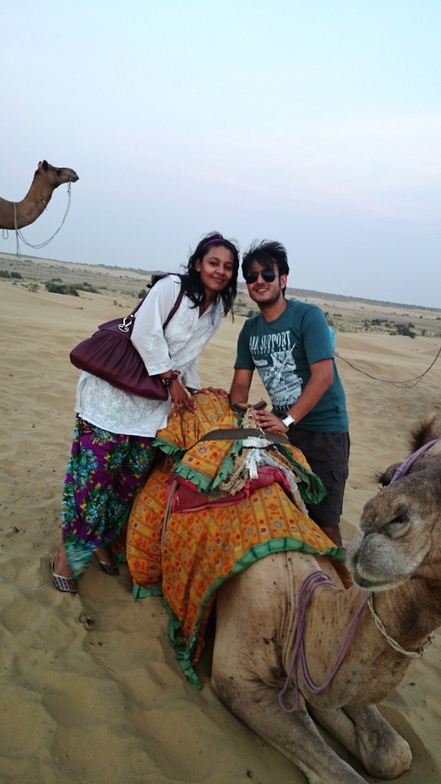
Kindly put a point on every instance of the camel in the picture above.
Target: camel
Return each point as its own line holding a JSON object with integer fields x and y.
{"x": 16, "y": 215}
{"x": 395, "y": 564}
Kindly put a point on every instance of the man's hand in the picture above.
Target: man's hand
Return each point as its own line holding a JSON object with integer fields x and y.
{"x": 240, "y": 386}
{"x": 268, "y": 421}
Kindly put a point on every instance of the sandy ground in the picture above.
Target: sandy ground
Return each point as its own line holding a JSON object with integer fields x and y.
{"x": 90, "y": 690}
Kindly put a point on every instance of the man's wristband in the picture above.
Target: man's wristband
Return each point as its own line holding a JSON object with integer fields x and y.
{"x": 288, "y": 420}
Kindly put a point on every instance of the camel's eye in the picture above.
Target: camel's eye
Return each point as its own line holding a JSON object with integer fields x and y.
{"x": 398, "y": 527}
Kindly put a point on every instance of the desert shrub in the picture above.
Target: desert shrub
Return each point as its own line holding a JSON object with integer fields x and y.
{"x": 7, "y": 274}
{"x": 61, "y": 288}
{"x": 86, "y": 287}
{"x": 56, "y": 286}
{"x": 404, "y": 329}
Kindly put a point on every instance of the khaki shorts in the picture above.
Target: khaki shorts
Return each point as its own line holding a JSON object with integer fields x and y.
{"x": 328, "y": 456}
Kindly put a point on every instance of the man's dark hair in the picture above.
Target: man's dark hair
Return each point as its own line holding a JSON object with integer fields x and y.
{"x": 268, "y": 254}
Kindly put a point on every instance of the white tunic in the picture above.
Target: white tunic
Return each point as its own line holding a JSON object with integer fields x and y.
{"x": 176, "y": 348}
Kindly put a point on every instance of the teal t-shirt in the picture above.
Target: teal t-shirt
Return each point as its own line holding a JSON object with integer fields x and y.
{"x": 282, "y": 351}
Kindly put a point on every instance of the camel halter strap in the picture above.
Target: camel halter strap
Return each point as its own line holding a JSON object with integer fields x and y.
{"x": 305, "y": 594}
{"x": 404, "y": 467}
{"x": 18, "y": 233}
{"x": 393, "y": 643}
{"x": 402, "y": 471}
{"x": 299, "y": 658}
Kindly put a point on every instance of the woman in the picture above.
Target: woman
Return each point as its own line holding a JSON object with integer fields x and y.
{"x": 111, "y": 452}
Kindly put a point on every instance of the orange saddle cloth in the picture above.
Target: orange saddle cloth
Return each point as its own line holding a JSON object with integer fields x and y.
{"x": 188, "y": 558}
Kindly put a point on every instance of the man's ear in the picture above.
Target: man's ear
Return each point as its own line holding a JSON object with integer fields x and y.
{"x": 283, "y": 281}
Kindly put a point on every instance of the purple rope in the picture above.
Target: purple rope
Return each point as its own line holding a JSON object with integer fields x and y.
{"x": 304, "y": 599}
{"x": 404, "y": 467}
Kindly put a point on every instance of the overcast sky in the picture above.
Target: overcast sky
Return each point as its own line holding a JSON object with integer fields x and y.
{"x": 316, "y": 123}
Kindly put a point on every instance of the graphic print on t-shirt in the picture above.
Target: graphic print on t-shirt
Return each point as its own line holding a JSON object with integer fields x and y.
{"x": 273, "y": 358}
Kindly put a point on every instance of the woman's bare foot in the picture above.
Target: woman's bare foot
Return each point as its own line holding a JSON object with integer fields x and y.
{"x": 106, "y": 561}
{"x": 60, "y": 563}
{"x": 104, "y": 555}
{"x": 61, "y": 572}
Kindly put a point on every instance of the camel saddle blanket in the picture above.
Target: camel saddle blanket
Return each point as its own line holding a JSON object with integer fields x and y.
{"x": 186, "y": 555}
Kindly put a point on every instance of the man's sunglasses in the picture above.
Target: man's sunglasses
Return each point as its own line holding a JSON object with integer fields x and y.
{"x": 268, "y": 276}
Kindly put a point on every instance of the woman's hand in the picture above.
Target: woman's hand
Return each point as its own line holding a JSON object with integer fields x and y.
{"x": 180, "y": 399}
{"x": 216, "y": 391}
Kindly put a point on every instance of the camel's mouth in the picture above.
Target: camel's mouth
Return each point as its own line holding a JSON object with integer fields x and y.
{"x": 369, "y": 584}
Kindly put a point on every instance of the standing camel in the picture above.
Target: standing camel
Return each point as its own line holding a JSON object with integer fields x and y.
{"x": 46, "y": 179}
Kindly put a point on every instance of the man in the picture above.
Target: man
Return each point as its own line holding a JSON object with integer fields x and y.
{"x": 289, "y": 342}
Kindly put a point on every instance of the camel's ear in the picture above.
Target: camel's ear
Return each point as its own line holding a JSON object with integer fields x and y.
{"x": 45, "y": 165}
{"x": 385, "y": 477}
{"x": 423, "y": 432}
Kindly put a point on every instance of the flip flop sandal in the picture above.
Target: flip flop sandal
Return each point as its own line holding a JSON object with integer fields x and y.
{"x": 65, "y": 584}
{"x": 111, "y": 569}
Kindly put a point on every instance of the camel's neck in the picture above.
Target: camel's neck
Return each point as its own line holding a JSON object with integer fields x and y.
{"x": 30, "y": 208}
{"x": 410, "y": 613}
{"x": 371, "y": 667}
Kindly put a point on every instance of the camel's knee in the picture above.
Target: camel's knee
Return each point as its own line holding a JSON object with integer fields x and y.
{"x": 388, "y": 757}
{"x": 383, "y": 751}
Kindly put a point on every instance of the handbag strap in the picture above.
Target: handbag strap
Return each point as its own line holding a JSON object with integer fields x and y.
{"x": 174, "y": 308}
{"x": 127, "y": 325}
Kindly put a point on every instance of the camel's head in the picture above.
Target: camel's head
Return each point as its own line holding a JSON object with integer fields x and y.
{"x": 401, "y": 524}
{"x": 56, "y": 176}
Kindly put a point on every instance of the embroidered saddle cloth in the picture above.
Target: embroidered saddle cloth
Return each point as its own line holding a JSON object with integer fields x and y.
{"x": 186, "y": 558}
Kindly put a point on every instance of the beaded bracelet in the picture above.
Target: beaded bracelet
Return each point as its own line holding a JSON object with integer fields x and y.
{"x": 168, "y": 380}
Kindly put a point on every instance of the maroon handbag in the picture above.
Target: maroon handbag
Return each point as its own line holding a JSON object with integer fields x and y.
{"x": 110, "y": 354}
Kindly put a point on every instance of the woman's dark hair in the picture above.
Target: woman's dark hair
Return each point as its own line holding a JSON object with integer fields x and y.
{"x": 268, "y": 254}
{"x": 191, "y": 279}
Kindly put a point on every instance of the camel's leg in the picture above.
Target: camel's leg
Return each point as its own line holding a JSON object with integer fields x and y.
{"x": 254, "y": 617}
{"x": 295, "y": 735}
{"x": 370, "y": 738}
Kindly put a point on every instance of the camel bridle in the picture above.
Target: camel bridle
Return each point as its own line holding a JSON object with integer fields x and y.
{"x": 305, "y": 593}
{"x": 18, "y": 233}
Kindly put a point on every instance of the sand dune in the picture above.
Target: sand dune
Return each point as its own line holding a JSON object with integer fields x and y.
{"x": 91, "y": 691}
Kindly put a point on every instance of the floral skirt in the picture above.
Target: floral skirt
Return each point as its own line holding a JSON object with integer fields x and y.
{"x": 104, "y": 473}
